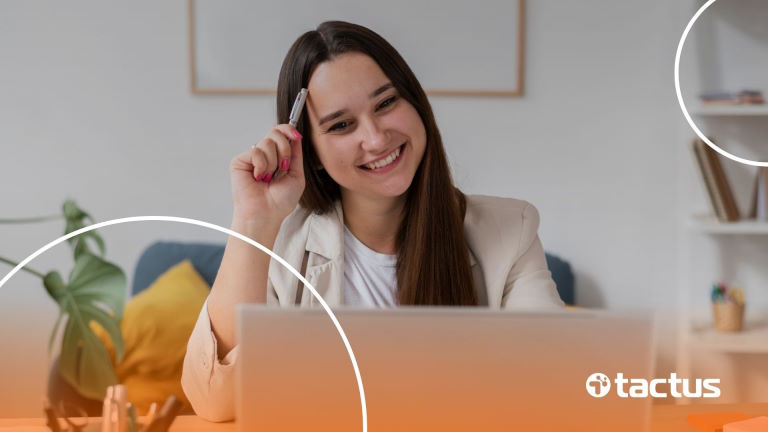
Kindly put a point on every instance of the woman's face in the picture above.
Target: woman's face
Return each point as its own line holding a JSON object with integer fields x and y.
{"x": 368, "y": 138}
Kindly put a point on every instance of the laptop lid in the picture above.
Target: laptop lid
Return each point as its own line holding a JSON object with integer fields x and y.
{"x": 446, "y": 369}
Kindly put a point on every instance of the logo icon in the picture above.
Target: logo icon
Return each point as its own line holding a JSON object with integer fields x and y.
{"x": 598, "y": 385}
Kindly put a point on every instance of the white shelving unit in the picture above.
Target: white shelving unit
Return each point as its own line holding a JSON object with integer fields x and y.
{"x": 710, "y": 225}
{"x": 696, "y": 335}
{"x": 731, "y": 110}
{"x": 732, "y": 55}
{"x": 751, "y": 340}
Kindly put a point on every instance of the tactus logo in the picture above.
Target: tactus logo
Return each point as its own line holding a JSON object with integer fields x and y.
{"x": 598, "y": 385}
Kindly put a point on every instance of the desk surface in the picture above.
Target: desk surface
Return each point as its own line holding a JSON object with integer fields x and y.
{"x": 665, "y": 418}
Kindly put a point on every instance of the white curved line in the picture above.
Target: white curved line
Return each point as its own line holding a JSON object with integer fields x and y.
{"x": 225, "y": 231}
{"x": 680, "y": 95}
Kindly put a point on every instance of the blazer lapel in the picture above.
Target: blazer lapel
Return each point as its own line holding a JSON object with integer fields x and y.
{"x": 325, "y": 260}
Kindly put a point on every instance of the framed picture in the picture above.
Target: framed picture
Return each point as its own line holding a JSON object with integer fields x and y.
{"x": 454, "y": 48}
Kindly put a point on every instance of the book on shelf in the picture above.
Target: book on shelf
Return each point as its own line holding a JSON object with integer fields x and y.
{"x": 759, "y": 209}
{"x": 716, "y": 183}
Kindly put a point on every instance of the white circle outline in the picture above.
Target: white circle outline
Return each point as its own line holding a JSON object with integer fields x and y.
{"x": 225, "y": 231}
{"x": 680, "y": 95}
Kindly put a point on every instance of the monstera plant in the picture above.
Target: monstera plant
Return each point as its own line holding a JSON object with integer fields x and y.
{"x": 92, "y": 294}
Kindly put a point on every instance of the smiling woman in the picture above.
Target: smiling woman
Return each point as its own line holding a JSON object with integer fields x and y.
{"x": 375, "y": 133}
{"x": 359, "y": 196}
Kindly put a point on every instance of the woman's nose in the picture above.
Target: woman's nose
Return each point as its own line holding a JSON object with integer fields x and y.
{"x": 374, "y": 136}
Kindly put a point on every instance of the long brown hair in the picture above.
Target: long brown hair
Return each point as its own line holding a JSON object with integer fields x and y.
{"x": 433, "y": 266}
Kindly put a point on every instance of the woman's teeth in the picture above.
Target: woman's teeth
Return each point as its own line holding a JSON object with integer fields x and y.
{"x": 384, "y": 162}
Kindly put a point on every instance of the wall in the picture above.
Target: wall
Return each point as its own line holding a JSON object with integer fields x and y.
{"x": 94, "y": 104}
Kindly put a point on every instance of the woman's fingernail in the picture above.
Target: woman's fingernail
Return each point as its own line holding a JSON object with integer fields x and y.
{"x": 268, "y": 177}
{"x": 296, "y": 134}
{"x": 285, "y": 164}
{"x": 259, "y": 177}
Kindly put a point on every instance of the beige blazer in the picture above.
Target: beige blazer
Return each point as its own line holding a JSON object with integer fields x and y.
{"x": 506, "y": 255}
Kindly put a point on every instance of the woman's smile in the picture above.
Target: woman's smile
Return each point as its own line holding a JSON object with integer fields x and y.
{"x": 386, "y": 163}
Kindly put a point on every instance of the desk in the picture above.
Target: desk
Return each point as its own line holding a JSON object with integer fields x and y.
{"x": 186, "y": 423}
{"x": 665, "y": 418}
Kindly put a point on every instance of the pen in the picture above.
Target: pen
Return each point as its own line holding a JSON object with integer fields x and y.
{"x": 293, "y": 118}
{"x": 298, "y": 107}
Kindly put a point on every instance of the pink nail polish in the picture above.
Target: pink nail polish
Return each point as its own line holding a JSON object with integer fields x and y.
{"x": 285, "y": 164}
{"x": 296, "y": 135}
{"x": 268, "y": 177}
{"x": 259, "y": 177}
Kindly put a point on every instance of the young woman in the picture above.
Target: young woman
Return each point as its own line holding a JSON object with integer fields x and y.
{"x": 363, "y": 204}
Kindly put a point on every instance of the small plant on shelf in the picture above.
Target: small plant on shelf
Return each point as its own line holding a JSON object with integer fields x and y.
{"x": 727, "y": 307}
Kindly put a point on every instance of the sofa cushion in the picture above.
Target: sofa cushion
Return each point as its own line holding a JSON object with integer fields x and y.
{"x": 156, "y": 326}
{"x": 160, "y": 256}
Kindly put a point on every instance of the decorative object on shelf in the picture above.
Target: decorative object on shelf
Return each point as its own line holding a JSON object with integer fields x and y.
{"x": 716, "y": 182}
{"x": 727, "y": 308}
{"x": 94, "y": 294}
{"x": 759, "y": 209}
{"x": 119, "y": 415}
{"x": 744, "y": 97}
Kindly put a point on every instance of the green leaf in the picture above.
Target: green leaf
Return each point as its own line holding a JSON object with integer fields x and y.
{"x": 76, "y": 219}
{"x": 84, "y": 361}
{"x": 93, "y": 235}
{"x": 71, "y": 210}
{"x": 108, "y": 322}
{"x": 93, "y": 275}
{"x": 95, "y": 292}
{"x": 72, "y": 225}
{"x": 55, "y": 285}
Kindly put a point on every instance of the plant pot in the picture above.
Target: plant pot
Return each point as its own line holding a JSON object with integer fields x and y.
{"x": 60, "y": 391}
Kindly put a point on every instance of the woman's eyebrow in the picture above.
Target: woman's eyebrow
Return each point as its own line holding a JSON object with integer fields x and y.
{"x": 381, "y": 90}
{"x": 341, "y": 112}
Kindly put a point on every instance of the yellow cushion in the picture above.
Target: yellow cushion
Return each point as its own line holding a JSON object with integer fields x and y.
{"x": 156, "y": 326}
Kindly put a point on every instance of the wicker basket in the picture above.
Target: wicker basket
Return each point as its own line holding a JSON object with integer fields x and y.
{"x": 728, "y": 317}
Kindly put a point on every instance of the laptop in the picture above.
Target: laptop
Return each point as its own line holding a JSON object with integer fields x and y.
{"x": 440, "y": 369}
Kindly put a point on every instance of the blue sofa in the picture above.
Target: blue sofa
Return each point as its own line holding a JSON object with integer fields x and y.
{"x": 206, "y": 258}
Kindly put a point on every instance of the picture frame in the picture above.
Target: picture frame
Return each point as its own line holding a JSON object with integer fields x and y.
{"x": 236, "y": 47}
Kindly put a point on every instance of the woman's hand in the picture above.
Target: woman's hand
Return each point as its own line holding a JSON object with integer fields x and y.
{"x": 261, "y": 204}
{"x": 268, "y": 180}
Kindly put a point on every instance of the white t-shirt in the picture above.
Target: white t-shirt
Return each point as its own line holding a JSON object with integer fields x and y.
{"x": 369, "y": 276}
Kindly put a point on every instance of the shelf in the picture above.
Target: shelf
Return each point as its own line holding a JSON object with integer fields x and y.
{"x": 732, "y": 110}
{"x": 753, "y": 339}
{"x": 710, "y": 225}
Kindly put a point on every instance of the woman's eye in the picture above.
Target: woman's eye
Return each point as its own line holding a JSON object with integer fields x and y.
{"x": 387, "y": 102}
{"x": 339, "y": 126}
